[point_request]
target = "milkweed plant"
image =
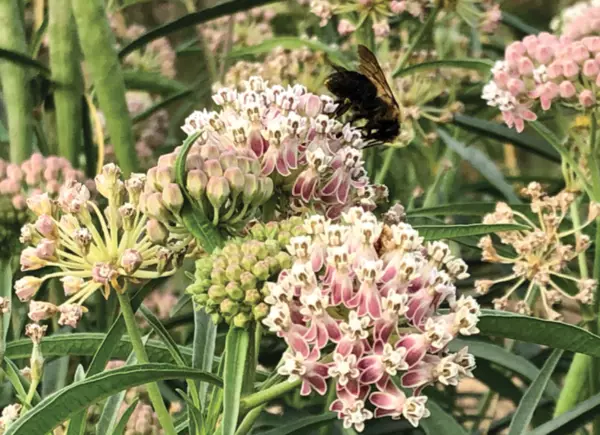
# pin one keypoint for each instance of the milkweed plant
(201, 233)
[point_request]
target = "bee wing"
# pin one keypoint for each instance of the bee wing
(369, 67)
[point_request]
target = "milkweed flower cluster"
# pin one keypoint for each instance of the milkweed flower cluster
(292, 135)
(543, 70)
(579, 20)
(371, 292)
(10, 414)
(230, 284)
(542, 253)
(92, 249)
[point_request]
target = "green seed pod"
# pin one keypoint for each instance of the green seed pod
(234, 291)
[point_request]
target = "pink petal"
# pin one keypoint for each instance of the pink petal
(343, 190)
(371, 375)
(332, 185)
(383, 400)
(318, 384)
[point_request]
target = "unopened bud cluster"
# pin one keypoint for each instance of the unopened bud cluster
(93, 249)
(230, 284)
(543, 252)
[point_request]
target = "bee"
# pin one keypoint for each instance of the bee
(367, 94)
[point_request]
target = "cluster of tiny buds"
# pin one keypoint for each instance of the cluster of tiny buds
(542, 254)
(384, 285)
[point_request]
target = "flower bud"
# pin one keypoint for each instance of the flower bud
(46, 226)
(228, 160)
(247, 280)
(248, 262)
(252, 297)
(30, 260)
(72, 284)
(221, 262)
(273, 265)
(236, 179)
(135, 186)
(241, 320)
(210, 152)
(107, 181)
(251, 188)
(233, 272)
(155, 207)
(218, 276)
(83, 238)
(68, 223)
(164, 256)
(131, 260)
(260, 311)
(196, 183)
(164, 177)
(229, 307)
(46, 249)
(273, 247)
(27, 287)
(39, 311)
(157, 233)
(284, 260)
(258, 232)
(172, 197)
(127, 212)
(261, 270)
(213, 168)
(216, 318)
(230, 251)
(201, 299)
(217, 191)
(217, 292)
(266, 191)
(234, 291)
(40, 204)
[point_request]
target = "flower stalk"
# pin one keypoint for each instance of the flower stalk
(142, 357)
(265, 396)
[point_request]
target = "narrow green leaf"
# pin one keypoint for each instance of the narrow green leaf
(55, 375)
(76, 397)
(532, 396)
(236, 347)
(518, 24)
(571, 420)
(24, 60)
(437, 232)
(151, 82)
(205, 335)
(556, 335)
(15, 378)
(292, 43)
(37, 38)
(193, 19)
(122, 424)
(164, 335)
(482, 163)
(440, 422)
(303, 425)
(474, 64)
(502, 133)
(161, 105)
(506, 359)
(195, 416)
(463, 209)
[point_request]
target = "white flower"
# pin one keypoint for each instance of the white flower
(393, 359)
(293, 366)
(414, 409)
(356, 415)
(448, 371)
(356, 327)
(344, 368)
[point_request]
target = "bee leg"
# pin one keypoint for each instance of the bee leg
(343, 107)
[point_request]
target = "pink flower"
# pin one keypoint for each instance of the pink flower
(305, 367)
(389, 402)
(351, 409)
(345, 27)
(384, 361)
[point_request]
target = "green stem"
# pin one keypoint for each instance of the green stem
(15, 83)
(98, 44)
(66, 75)
(265, 396)
(574, 383)
(387, 162)
(31, 392)
(140, 353)
(411, 48)
(246, 425)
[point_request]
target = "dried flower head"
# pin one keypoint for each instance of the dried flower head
(542, 253)
(374, 300)
(93, 249)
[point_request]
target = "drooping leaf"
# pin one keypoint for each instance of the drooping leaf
(303, 425)
(193, 19)
(163, 334)
(292, 43)
(502, 133)
(24, 60)
(571, 420)
(471, 64)
(440, 422)
(122, 423)
(236, 348)
(53, 410)
(557, 335)
(482, 163)
(151, 82)
(518, 24)
(504, 358)
(532, 396)
(437, 232)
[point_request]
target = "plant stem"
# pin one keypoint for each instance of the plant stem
(98, 44)
(411, 48)
(140, 353)
(574, 383)
(269, 394)
(387, 162)
(248, 421)
(15, 83)
(66, 74)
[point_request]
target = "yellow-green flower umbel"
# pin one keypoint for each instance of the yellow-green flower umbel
(93, 249)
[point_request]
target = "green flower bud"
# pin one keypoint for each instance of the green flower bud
(217, 292)
(260, 311)
(265, 191)
(172, 198)
(217, 191)
(201, 299)
(261, 270)
(233, 272)
(206, 282)
(212, 304)
(216, 318)
(213, 168)
(247, 280)
(255, 167)
(273, 247)
(241, 320)
(234, 291)
(221, 262)
(251, 188)
(258, 232)
(231, 250)
(284, 260)
(196, 183)
(248, 262)
(204, 265)
(228, 159)
(236, 179)
(284, 238)
(229, 307)
(258, 249)
(252, 297)
(195, 289)
(273, 265)
(218, 276)
(271, 229)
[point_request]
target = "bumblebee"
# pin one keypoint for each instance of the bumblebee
(368, 96)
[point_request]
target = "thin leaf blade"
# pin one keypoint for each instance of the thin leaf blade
(236, 348)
